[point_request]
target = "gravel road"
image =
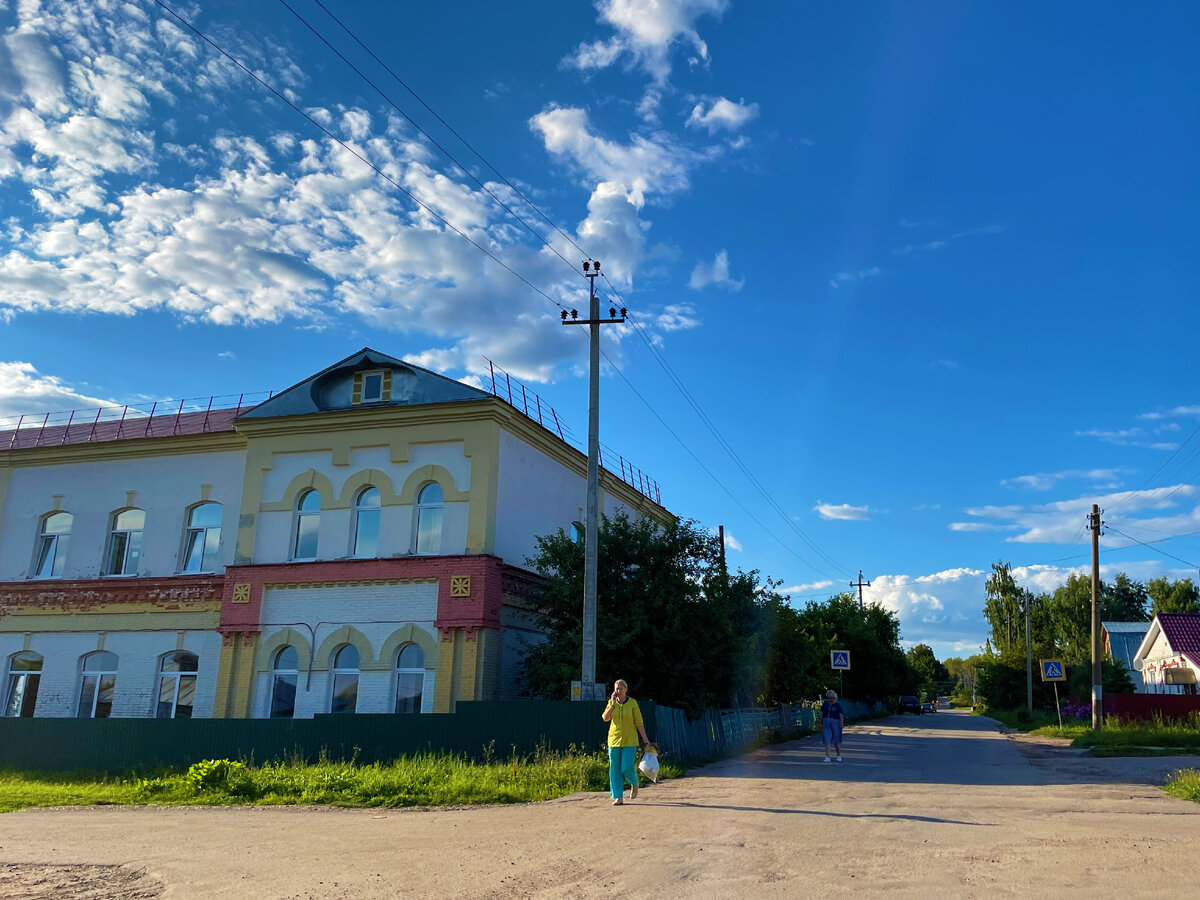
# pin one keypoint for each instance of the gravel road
(940, 805)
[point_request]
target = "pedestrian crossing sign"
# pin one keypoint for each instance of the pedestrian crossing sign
(839, 659)
(1052, 670)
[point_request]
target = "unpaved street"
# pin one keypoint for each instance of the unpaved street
(936, 806)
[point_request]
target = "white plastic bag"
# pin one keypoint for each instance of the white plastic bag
(649, 764)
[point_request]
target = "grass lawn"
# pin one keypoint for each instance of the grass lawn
(429, 780)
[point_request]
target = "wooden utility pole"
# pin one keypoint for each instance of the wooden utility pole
(1097, 670)
(860, 585)
(591, 546)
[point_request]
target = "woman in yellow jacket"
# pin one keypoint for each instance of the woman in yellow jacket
(624, 719)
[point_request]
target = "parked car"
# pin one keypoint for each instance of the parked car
(928, 708)
(909, 704)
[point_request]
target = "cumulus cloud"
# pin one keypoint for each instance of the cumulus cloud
(715, 273)
(646, 32)
(731, 542)
(721, 114)
(26, 391)
(843, 511)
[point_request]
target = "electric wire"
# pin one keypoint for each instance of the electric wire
(1148, 545)
(1156, 473)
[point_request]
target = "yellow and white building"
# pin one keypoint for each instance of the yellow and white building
(356, 543)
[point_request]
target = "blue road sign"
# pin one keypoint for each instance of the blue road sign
(839, 659)
(1053, 670)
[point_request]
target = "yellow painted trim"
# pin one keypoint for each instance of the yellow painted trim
(359, 480)
(347, 634)
(242, 685)
(429, 473)
(409, 634)
(35, 619)
(312, 479)
(444, 688)
(226, 668)
(267, 649)
(128, 448)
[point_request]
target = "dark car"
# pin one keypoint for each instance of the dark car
(928, 708)
(909, 704)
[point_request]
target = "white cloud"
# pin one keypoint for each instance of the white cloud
(715, 273)
(1178, 411)
(1127, 437)
(227, 354)
(845, 277)
(810, 588)
(677, 317)
(731, 542)
(1043, 481)
(843, 511)
(721, 114)
(646, 31)
(25, 391)
(941, 243)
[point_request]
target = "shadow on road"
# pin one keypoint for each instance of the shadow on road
(818, 812)
(944, 749)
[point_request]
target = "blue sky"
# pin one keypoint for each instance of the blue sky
(929, 269)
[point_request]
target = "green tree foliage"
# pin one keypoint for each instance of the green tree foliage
(1004, 611)
(1172, 596)
(1070, 620)
(686, 633)
(1125, 600)
(871, 634)
(927, 669)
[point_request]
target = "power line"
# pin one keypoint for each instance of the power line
(1147, 545)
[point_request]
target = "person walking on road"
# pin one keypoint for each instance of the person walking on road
(624, 718)
(833, 717)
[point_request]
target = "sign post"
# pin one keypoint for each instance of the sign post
(839, 660)
(1054, 671)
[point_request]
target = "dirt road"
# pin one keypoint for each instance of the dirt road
(936, 806)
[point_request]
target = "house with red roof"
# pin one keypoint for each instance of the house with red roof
(1169, 655)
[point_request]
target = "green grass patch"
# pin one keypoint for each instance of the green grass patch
(1184, 784)
(425, 780)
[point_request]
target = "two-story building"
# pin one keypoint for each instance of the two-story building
(355, 543)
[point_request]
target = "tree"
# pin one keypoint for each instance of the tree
(1124, 600)
(927, 668)
(1004, 611)
(654, 625)
(1169, 597)
(1070, 616)
(871, 634)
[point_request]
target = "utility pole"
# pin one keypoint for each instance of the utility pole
(591, 546)
(1028, 655)
(721, 538)
(861, 584)
(1094, 524)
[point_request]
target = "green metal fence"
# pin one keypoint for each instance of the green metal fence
(475, 730)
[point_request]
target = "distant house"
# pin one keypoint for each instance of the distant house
(1121, 642)
(1169, 655)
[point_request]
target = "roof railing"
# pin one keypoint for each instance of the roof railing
(526, 401)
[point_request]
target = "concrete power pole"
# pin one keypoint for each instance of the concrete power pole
(1094, 524)
(591, 546)
(860, 585)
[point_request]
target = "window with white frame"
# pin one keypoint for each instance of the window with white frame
(202, 539)
(372, 387)
(285, 675)
(177, 685)
(98, 684)
(24, 675)
(51, 551)
(410, 678)
(430, 511)
(366, 523)
(308, 523)
(345, 680)
(125, 542)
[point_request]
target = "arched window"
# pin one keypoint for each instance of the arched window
(52, 545)
(177, 685)
(430, 507)
(24, 674)
(366, 523)
(99, 683)
(125, 542)
(308, 520)
(202, 539)
(410, 678)
(285, 673)
(345, 680)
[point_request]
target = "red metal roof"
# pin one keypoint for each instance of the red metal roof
(36, 431)
(1182, 631)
